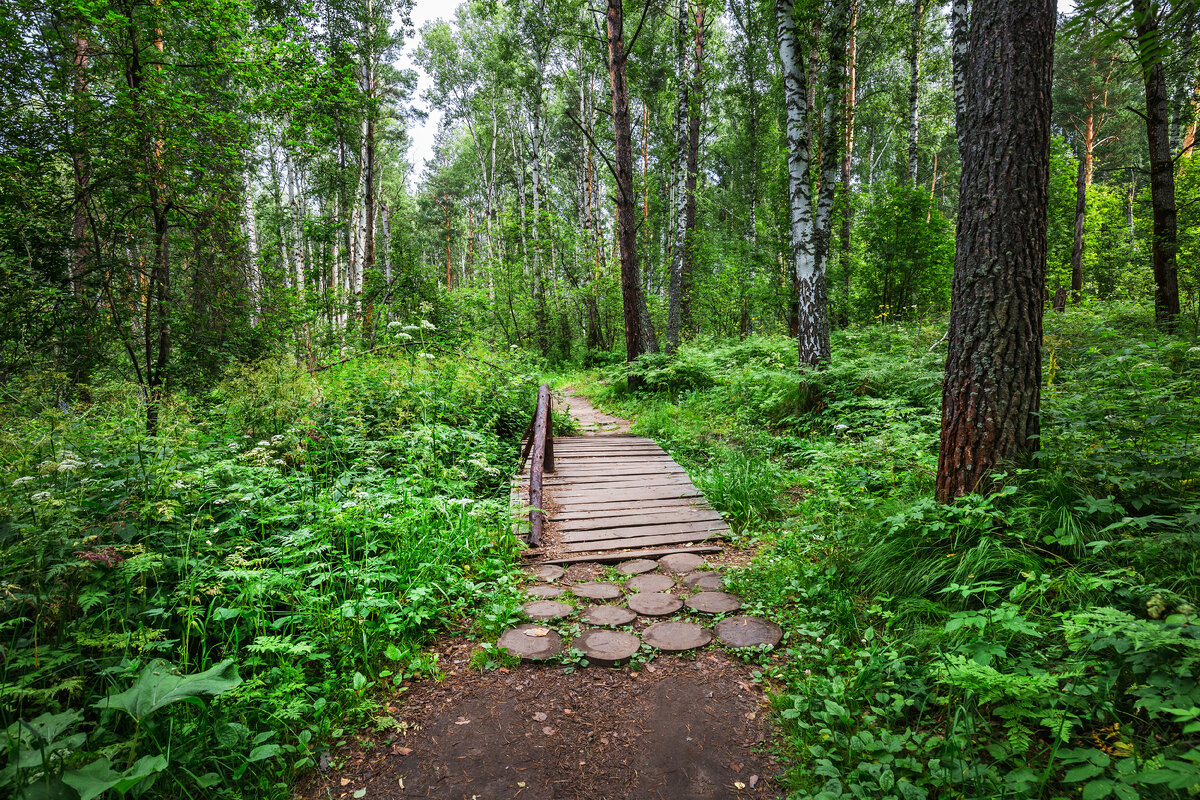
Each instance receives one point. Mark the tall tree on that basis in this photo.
(914, 87)
(992, 392)
(1150, 51)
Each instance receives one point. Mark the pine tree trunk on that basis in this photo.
(631, 284)
(1082, 181)
(992, 393)
(1162, 169)
(695, 115)
(679, 209)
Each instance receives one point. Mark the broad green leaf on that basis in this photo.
(160, 685)
(263, 751)
(98, 777)
(1097, 789)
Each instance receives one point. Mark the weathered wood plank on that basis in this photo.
(640, 493)
(580, 509)
(622, 555)
(617, 519)
(646, 541)
(607, 534)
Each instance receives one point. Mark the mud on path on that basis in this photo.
(677, 729)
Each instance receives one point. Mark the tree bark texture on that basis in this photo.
(812, 308)
(695, 114)
(679, 210)
(631, 284)
(847, 162)
(992, 393)
(914, 89)
(1162, 167)
(1082, 181)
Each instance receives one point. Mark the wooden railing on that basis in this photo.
(541, 445)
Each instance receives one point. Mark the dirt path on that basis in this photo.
(591, 420)
(691, 726)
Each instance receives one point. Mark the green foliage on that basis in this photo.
(210, 605)
(1040, 641)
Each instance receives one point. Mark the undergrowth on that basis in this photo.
(1040, 641)
(208, 612)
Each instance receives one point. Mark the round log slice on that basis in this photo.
(703, 581)
(714, 602)
(606, 647)
(650, 583)
(680, 562)
(531, 642)
(676, 636)
(654, 604)
(546, 609)
(549, 572)
(595, 590)
(748, 632)
(637, 566)
(544, 590)
(608, 615)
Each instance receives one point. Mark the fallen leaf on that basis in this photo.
(520, 784)
(548, 731)
(736, 767)
(345, 781)
(539, 716)
(568, 711)
(751, 715)
(361, 792)
(397, 750)
(462, 721)
(739, 785)
(537, 631)
(753, 780)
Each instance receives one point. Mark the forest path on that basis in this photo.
(664, 725)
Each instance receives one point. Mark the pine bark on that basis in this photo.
(695, 115)
(914, 89)
(1162, 168)
(631, 284)
(992, 392)
(1083, 180)
(679, 195)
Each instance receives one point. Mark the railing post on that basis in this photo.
(549, 431)
(541, 424)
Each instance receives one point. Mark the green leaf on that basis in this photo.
(98, 777)
(159, 685)
(263, 751)
(1097, 789)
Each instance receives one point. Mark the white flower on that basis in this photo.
(264, 443)
(277, 438)
(427, 325)
(41, 497)
(69, 465)
(430, 356)
(394, 324)
(512, 347)
(24, 480)
(412, 327)
(406, 337)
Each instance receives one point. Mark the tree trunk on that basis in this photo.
(811, 311)
(1162, 168)
(679, 210)
(1082, 181)
(914, 89)
(827, 185)
(695, 115)
(992, 393)
(847, 153)
(631, 284)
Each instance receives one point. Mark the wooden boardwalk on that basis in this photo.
(614, 497)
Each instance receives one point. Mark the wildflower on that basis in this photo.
(807, 673)
(512, 347)
(430, 356)
(404, 336)
(277, 438)
(412, 327)
(394, 323)
(264, 443)
(427, 325)
(41, 497)
(22, 481)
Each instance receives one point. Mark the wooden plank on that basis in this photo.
(645, 541)
(588, 480)
(648, 508)
(579, 509)
(616, 519)
(654, 481)
(606, 534)
(625, 555)
(599, 493)
(598, 441)
(611, 469)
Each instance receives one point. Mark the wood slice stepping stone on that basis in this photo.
(655, 604)
(548, 573)
(606, 647)
(680, 562)
(676, 636)
(595, 590)
(714, 602)
(531, 642)
(608, 616)
(637, 566)
(544, 590)
(703, 581)
(546, 609)
(748, 632)
(650, 583)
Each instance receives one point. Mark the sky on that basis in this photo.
(422, 134)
